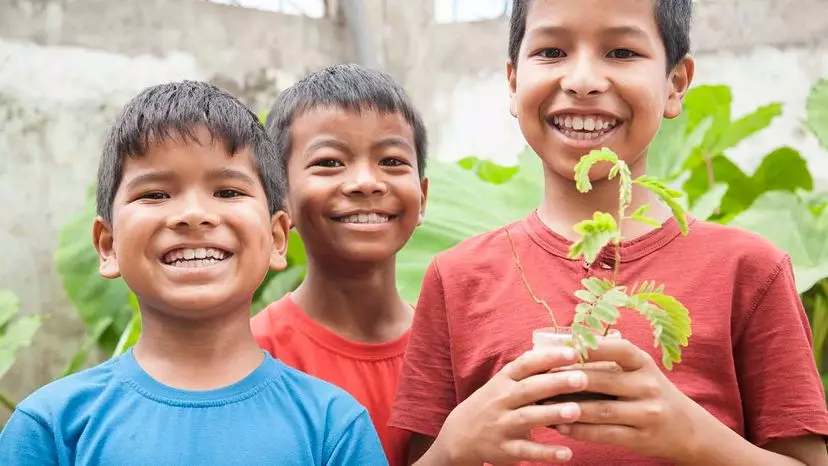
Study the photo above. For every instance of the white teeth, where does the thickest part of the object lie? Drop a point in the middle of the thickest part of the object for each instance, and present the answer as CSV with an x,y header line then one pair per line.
x,y
365,218
199,257
577,123
568,122
589,124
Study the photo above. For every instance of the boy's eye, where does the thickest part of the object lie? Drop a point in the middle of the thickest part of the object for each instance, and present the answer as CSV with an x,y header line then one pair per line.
x,y
327,163
622,53
393,162
552,53
154,196
228,193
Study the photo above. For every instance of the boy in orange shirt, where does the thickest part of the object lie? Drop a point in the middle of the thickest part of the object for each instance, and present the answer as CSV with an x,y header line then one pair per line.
x,y
354,149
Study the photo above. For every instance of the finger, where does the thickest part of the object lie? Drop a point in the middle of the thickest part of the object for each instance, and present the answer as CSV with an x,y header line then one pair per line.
x,y
538,361
547,385
628,356
636,414
623,436
630,385
532,416
524,450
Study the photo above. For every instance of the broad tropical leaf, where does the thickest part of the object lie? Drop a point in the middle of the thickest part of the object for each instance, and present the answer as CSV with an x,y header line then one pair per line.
x,y
15,332
817,108
787,221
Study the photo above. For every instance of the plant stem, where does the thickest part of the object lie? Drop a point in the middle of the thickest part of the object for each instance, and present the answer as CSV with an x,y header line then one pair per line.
x,y
526,283
7,403
711,178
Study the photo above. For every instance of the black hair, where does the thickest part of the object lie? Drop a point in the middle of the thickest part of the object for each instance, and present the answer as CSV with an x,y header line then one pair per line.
x,y
350,87
177,109
673,17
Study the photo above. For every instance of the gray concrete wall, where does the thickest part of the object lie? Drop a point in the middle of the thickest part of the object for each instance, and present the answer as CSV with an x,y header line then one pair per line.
x,y
67,66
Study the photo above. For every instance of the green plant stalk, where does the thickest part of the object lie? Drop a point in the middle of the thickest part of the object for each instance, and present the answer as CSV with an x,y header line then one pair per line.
x,y
9,404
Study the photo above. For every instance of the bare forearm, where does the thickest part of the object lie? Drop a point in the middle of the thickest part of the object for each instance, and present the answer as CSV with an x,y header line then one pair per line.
x,y
724,447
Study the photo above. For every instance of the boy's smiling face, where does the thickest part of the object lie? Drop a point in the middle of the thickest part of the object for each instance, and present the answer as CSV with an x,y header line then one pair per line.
x,y
592,74
354,193
191,232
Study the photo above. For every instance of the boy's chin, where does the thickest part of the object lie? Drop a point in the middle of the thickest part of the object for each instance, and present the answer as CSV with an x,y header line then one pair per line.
x,y
200,303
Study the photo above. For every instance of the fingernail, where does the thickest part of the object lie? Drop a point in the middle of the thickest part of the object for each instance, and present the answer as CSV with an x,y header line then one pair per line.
x,y
562,455
576,379
568,353
568,411
564,429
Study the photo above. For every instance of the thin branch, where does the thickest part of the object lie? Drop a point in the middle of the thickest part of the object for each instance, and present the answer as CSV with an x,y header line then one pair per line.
x,y
526,282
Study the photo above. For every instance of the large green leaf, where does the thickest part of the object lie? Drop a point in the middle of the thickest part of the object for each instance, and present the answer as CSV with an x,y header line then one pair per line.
x,y
787,221
94,297
461,205
277,284
783,169
15,332
817,107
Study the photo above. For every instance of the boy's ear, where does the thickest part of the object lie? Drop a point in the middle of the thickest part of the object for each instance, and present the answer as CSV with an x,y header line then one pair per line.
x,y
103,240
424,189
280,229
511,77
679,81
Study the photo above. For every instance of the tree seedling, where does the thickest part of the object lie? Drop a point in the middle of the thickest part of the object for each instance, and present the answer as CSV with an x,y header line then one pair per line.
x,y
601,300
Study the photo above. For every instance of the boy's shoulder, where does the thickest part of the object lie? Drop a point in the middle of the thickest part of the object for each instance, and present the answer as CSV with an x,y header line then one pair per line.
x,y
712,241
325,396
71,394
481,251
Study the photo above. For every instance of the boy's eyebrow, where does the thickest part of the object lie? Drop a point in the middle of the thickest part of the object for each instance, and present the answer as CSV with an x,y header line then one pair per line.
x,y
151,177
624,30
328,142
393,141
231,174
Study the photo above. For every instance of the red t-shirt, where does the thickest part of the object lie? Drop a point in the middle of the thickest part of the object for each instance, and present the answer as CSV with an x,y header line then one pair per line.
x,y
749,363
369,372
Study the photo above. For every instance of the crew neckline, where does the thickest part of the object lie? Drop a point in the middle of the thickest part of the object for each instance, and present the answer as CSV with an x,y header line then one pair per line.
x,y
339,344
630,250
145,384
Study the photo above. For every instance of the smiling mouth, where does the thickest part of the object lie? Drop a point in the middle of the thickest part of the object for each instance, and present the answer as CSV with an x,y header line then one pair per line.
x,y
199,257
583,127
366,219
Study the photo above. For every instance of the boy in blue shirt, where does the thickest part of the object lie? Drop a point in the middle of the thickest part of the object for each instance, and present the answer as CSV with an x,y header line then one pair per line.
x,y
190,198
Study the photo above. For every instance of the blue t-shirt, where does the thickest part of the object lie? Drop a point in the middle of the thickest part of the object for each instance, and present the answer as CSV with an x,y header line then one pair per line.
x,y
116,414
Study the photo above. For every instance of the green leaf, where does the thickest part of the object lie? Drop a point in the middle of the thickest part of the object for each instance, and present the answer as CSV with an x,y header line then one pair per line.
x,y
9,306
585,296
461,205
706,205
670,321
93,296
585,164
596,285
18,334
595,234
817,109
130,335
79,359
487,170
819,324
667,195
787,221
673,145
746,126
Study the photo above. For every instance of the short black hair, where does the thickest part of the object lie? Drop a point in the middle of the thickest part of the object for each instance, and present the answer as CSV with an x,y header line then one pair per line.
x,y
177,109
674,18
349,87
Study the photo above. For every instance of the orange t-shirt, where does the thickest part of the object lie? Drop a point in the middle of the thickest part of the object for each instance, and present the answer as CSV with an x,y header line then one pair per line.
x,y
369,372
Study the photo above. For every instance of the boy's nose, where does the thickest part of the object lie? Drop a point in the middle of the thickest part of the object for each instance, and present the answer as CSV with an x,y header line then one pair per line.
x,y
192,214
585,78
364,183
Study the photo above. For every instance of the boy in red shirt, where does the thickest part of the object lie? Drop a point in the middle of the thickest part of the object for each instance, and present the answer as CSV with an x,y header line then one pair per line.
x,y
354,149
586,74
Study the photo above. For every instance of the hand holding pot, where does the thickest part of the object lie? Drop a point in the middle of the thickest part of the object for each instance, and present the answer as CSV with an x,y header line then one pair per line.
x,y
651,416
494,423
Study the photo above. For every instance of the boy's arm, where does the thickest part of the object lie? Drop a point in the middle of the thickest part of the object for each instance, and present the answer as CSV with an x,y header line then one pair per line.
x,y
27,441
358,444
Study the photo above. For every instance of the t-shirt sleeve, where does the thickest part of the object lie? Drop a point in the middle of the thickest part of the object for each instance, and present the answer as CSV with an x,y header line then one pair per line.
x,y
781,389
27,441
358,444
426,392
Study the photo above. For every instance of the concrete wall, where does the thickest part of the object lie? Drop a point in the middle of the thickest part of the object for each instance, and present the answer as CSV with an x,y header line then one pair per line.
x,y
67,66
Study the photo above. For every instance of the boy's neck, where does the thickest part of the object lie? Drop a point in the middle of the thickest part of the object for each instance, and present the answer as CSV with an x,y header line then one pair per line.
x,y
357,302
563,205
189,354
